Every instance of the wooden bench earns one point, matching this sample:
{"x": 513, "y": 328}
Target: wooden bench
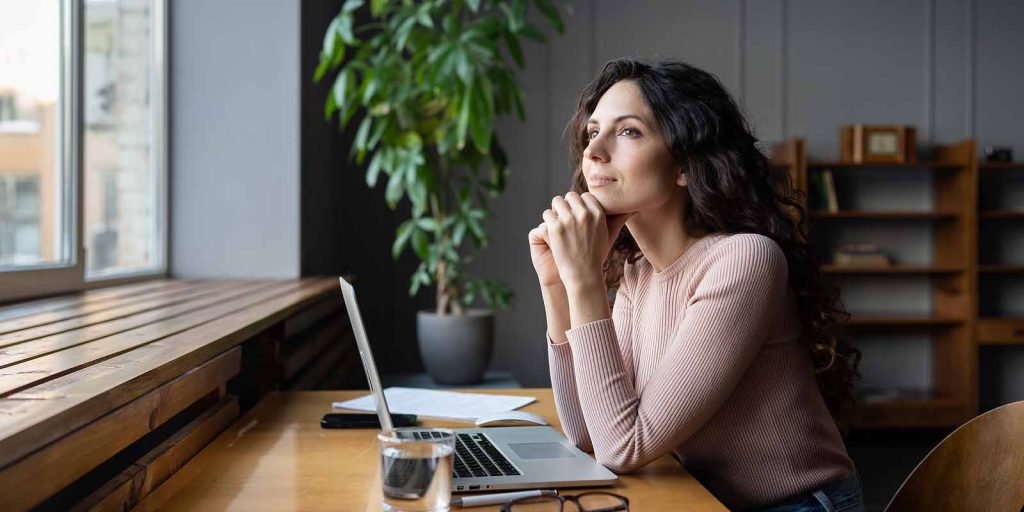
{"x": 104, "y": 394}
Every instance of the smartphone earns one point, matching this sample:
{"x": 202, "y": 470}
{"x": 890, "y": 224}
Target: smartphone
{"x": 345, "y": 420}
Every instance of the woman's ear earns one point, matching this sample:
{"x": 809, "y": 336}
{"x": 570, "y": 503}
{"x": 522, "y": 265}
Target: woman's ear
{"x": 681, "y": 178}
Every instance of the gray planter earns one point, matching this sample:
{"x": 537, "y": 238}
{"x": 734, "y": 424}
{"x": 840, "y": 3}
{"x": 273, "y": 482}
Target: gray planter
{"x": 456, "y": 348}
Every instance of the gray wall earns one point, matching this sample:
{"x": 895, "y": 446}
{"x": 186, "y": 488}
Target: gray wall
{"x": 234, "y": 138}
{"x": 799, "y": 69}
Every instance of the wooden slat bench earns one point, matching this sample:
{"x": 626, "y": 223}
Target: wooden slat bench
{"x": 105, "y": 393}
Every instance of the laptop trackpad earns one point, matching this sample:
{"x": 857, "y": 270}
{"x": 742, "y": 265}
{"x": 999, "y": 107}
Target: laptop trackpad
{"x": 541, "y": 451}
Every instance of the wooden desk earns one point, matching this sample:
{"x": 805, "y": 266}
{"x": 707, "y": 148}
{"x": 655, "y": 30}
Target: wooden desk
{"x": 276, "y": 457}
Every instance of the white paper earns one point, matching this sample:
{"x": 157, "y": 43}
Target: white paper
{"x": 438, "y": 404}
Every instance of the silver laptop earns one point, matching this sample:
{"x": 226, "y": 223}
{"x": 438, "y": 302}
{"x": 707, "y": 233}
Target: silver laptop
{"x": 495, "y": 457}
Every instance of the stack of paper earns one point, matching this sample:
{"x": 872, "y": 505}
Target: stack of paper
{"x": 438, "y": 404}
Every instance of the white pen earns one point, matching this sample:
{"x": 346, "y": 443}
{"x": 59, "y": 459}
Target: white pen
{"x": 499, "y": 498}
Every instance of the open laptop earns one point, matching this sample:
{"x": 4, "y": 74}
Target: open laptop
{"x": 495, "y": 457}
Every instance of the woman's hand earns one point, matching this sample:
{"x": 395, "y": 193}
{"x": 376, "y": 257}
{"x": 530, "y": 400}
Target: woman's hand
{"x": 543, "y": 262}
{"x": 580, "y": 237}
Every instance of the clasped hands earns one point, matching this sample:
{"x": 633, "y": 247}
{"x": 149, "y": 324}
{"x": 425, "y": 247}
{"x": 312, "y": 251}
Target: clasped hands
{"x": 570, "y": 247}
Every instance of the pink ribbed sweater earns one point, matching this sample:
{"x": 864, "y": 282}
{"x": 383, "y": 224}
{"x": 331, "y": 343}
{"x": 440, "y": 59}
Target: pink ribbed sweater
{"x": 703, "y": 359}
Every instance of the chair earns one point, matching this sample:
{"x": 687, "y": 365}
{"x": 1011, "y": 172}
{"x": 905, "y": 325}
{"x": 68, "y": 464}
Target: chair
{"x": 980, "y": 466}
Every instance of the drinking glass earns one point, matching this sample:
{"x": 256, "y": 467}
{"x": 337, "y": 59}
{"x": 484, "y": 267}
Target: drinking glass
{"x": 416, "y": 469}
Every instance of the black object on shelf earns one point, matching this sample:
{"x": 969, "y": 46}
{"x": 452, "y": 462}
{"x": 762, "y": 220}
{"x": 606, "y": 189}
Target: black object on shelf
{"x": 998, "y": 153}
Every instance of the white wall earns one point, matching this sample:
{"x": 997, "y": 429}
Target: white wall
{"x": 234, "y": 138}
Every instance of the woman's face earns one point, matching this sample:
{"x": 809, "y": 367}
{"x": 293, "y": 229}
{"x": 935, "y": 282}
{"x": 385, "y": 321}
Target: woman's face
{"x": 627, "y": 164}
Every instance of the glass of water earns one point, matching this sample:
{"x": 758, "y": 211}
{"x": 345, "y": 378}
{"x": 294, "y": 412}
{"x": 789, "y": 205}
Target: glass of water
{"x": 416, "y": 468}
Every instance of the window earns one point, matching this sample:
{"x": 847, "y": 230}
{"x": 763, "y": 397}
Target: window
{"x": 82, "y": 143}
{"x": 33, "y": 202}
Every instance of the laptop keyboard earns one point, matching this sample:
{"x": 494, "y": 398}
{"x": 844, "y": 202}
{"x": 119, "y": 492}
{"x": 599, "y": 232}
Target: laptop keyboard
{"x": 475, "y": 456}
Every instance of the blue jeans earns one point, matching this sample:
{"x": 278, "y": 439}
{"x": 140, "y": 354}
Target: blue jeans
{"x": 842, "y": 495}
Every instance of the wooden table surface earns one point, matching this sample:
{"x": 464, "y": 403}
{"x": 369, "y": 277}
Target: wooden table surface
{"x": 276, "y": 457}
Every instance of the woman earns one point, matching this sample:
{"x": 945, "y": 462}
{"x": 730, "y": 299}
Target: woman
{"x": 720, "y": 347}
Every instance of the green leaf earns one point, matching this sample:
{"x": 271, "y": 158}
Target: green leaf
{"x": 362, "y": 133}
{"x": 532, "y": 32}
{"x": 330, "y": 107}
{"x": 474, "y": 5}
{"x": 373, "y": 171}
{"x": 480, "y": 123}
{"x": 427, "y": 224}
{"x": 377, "y": 7}
{"x": 402, "y": 235}
{"x": 421, "y": 245}
{"x": 551, "y": 13}
{"x": 341, "y": 87}
{"x": 418, "y": 196}
{"x": 393, "y": 193}
{"x": 450, "y": 23}
{"x": 404, "y": 30}
{"x": 370, "y": 85}
{"x": 516, "y": 17}
{"x": 352, "y": 5}
{"x": 378, "y": 132}
{"x": 463, "y": 67}
{"x": 327, "y": 50}
{"x": 465, "y": 112}
{"x": 345, "y": 29}
{"x": 512, "y": 43}
{"x": 459, "y": 233}
{"x": 479, "y": 235}
{"x": 423, "y": 16}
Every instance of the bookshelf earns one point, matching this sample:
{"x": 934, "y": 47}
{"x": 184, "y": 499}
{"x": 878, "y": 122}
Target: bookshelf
{"x": 1000, "y": 270}
{"x": 947, "y": 272}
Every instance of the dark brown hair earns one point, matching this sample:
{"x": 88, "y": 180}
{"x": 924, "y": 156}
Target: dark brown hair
{"x": 731, "y": 188}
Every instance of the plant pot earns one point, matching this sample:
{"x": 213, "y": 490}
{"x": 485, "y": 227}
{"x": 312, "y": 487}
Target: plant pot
{"x": 456, "y": 348}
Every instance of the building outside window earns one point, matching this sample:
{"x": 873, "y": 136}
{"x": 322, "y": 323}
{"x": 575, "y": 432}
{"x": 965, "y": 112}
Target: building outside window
{"x": 82, "y": 97}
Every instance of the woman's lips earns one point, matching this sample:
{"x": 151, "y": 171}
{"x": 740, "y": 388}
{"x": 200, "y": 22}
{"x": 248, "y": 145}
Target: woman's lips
{"x": 600, "y": 181}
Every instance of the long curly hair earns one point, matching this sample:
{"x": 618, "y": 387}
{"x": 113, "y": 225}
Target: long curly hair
{"x": 732, "y": 187}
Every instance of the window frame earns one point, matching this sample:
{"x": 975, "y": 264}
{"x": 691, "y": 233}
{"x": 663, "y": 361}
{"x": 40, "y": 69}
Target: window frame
{"x": 56, "y": 278}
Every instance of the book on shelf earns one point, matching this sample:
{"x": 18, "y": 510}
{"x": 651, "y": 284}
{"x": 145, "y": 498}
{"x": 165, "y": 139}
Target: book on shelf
{"x": 829, "y": 192}
{"x": 822, "y": 191}
{"x": 861, "y": 255}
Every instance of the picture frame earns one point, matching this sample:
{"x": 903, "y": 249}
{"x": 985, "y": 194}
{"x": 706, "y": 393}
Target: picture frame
{"x": 862, "y": 143}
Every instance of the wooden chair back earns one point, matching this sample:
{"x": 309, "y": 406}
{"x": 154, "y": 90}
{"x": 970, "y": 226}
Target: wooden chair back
{"x": 980, "y": 466}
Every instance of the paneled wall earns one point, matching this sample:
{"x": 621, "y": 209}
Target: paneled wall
{"x": 799, "y": 68}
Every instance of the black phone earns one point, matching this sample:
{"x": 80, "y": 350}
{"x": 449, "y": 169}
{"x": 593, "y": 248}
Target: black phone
{"x": 345, "y": 420}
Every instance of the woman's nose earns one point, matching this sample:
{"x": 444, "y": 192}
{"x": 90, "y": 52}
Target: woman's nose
{"x": 595, "y": 150}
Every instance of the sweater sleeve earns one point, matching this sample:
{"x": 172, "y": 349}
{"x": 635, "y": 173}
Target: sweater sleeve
{"x": 563, "y": 378}
{"x": 725, "y": 324}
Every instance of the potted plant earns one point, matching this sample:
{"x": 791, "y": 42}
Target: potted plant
{"x": 429, "y": 77}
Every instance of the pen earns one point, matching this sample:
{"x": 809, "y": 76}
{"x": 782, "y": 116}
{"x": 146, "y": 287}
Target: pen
{"x": 499, "y": 498}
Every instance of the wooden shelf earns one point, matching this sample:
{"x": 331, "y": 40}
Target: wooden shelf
{"x": 953, "y": 188}
{"x": 882, "y": 215}
{"x": 911, "y": 413}
{"x": 895, "y": 269}
{"x": 918, "y": 165}
{"x": 1000, "y": 268}
{"x": 997, "y": 330}
{"x": 1001, "y": 214}
{"x": 868, "y": 321}
{"x": 1000, "y": 166}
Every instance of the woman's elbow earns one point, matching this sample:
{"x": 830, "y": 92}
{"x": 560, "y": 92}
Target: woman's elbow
{"x": 618, "y": 463}
{"x": 582, "y": 442}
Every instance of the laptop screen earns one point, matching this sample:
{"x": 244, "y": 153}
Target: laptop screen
{"x": 365, "y": 354}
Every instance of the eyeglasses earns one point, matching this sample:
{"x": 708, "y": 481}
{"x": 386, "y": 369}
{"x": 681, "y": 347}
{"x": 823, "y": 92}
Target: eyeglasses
{"x": 585, "y": 502}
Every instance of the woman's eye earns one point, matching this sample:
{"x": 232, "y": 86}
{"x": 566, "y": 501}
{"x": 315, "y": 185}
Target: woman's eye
{"x": 591, "y": 134}
{"x": 635, "y": 133}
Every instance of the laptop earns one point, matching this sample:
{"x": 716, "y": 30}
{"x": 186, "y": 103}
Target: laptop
{"x": 487, "y": 458}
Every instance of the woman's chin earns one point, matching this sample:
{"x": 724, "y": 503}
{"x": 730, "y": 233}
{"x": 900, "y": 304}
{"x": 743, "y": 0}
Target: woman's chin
{"x": 611, "y": 204}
